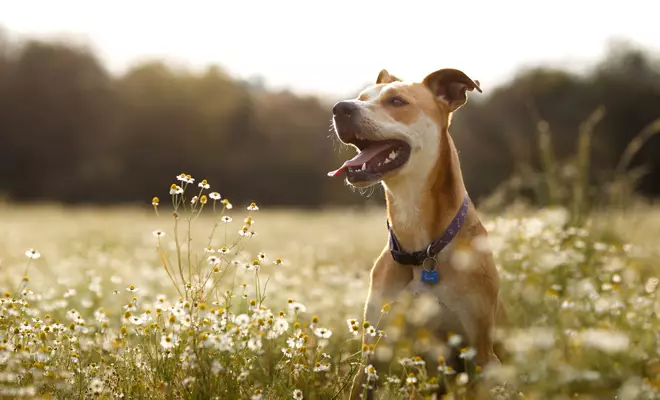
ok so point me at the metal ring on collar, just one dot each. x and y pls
(433, 267)
(430, 252)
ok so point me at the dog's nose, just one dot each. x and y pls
(344, 109)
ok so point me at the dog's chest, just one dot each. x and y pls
(439, 289)
(419, 285)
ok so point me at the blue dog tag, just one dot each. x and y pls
(430, 276)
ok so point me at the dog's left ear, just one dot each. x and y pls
(386, 77)
(450, 86)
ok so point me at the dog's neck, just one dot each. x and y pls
(419, 210)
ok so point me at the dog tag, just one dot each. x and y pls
(429, 271)
(430, 276)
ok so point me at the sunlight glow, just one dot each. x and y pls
(336, 47)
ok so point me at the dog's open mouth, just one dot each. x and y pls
(375, 159)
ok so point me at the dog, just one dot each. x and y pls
(401, 132)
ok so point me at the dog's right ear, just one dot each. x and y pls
(385, 77)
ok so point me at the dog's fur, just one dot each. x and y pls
(422, 197)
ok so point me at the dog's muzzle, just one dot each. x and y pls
(345, 115)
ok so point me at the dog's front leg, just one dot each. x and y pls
(479, 321)
(387, 282)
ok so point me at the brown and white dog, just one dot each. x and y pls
(400, 130)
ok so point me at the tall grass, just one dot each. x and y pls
(568, 182)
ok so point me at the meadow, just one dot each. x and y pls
(166, 301)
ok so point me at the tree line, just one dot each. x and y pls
(72, 132)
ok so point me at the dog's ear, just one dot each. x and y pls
(450, 86)
(385, 77)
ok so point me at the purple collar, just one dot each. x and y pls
(417, 258)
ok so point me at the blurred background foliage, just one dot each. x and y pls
(71, 132)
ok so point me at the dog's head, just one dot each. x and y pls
(396, 126)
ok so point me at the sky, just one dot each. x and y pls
(334, 48)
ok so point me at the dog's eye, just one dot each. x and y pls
(397, 101)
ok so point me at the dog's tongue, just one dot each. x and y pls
(362, 157)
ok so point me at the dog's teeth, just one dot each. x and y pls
(364, 166)
(386, 161)
(392, 156)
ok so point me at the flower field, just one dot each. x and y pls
(193, 297)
